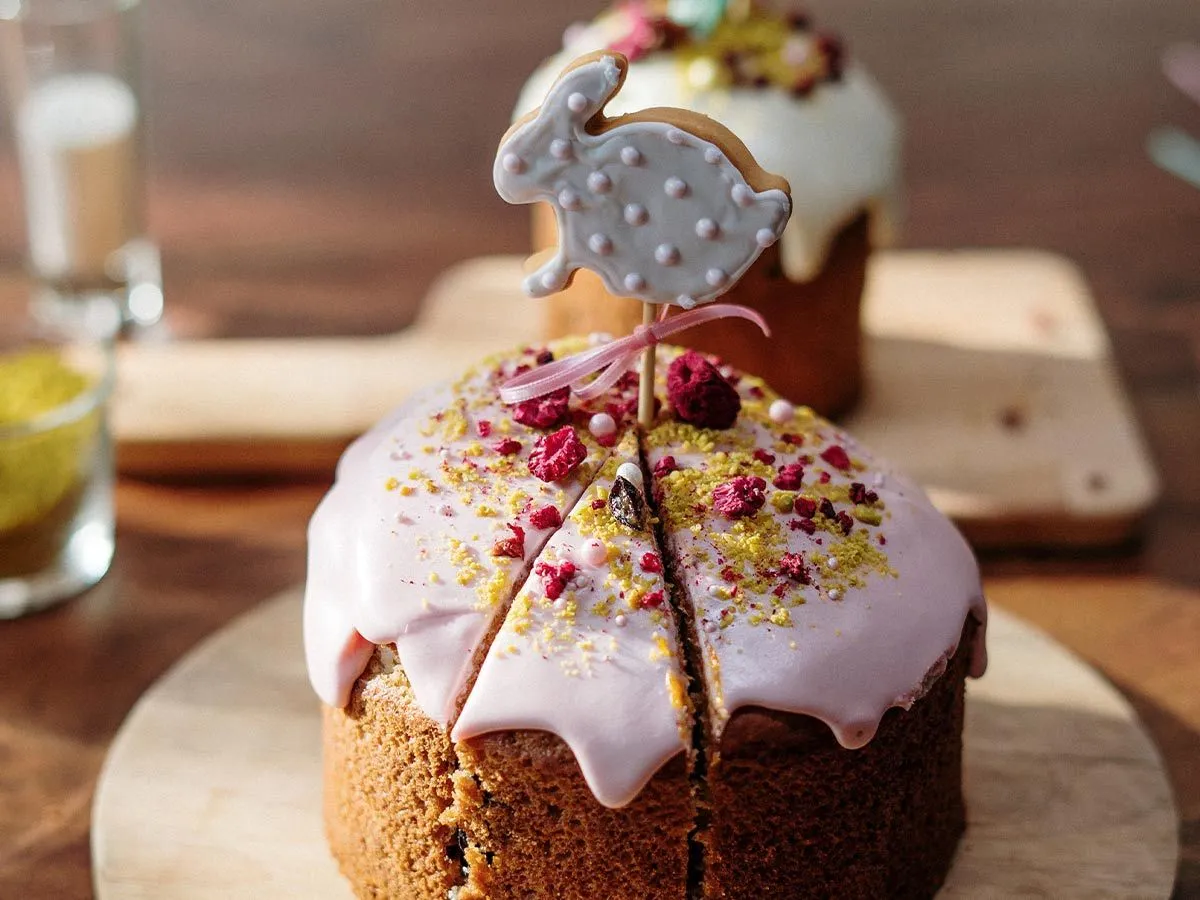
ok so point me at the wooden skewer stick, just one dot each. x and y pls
(646, 385)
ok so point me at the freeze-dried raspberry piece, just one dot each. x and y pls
(845, 522)
(545, 356)
(793, 566)
(764, 456)
(806, 507)
(699, 394)
(789, 477)
(827, 509)
(808, 526)
(512, 547)
(554, 456)
(544, 412)
(651, 600)
(555, 578)
(507, 446)
(484, 427)
(652, 562)
(837, 457)
(546, 517)
(665, 467)
(740, 496)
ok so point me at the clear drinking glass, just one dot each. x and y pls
(56, 464)
(71, 71)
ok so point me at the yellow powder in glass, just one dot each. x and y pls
(39, 469)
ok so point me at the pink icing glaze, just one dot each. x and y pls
(619, 707)
(400, 551)
(614, 691)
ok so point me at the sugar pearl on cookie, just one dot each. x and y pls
(676, 137)
(561, 149)
(631, 156)
(781, 412)
(634, 282)
(713, 156)
(620, 620)
(593, 553)
(667, 254)
(560, 603)
(602, 425)
(716, 277)
(765, 237)
(577, 102)
(569, 200)
(833, 563)
(675, 187)
(513, 163)
(835, 594)
(707, 229)
(635, 214)
(741, 194)
(600, 244)
(599, 183)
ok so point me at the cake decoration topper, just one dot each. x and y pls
(667, 206)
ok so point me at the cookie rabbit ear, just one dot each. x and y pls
(583, 88)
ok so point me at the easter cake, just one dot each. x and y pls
(809, 111)
(610, 618)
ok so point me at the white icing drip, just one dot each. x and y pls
(839, 148)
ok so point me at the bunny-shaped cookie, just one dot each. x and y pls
(666, 205)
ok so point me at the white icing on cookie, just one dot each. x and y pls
(646, 185)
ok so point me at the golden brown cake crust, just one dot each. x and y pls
(815, 353)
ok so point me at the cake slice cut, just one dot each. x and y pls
(430, 529)
(582, 698)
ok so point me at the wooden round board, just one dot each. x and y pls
(212, 787)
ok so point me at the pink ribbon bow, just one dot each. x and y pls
(612, 360)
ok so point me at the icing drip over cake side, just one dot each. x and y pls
(428, 531)
(589, 651)
(820, 581)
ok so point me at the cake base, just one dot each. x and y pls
(212, 789)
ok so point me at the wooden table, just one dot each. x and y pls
(316, 165)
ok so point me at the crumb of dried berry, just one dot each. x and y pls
(665, 467)
(507, 446)
(556, 455)
(789, 477)
(764, 456)
(544, 412)
(546, 517)
(837, 457)
(651, 562)
(740, 496)
(806, 507)
(699, 394)
(793, 566)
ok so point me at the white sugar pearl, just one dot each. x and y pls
(599, 183)
(741, 194)
(620, 620)
(551, 280)
(631, 473)
(602, 425)
(561, 149)
(634, 282)
(707, 229)
(667, 254)
(765, 237)
(833, 563)
(570, 200)
(635, 214)
(716, 277)
(513, 164)
(676, 137)
(687, 301)
(675, 187)
(835, 594)
(577, 102)
(781, 412)
(631, 156)
(713, 156)
(560, 603)
(593, 553)
(715, 590)
(600, 244)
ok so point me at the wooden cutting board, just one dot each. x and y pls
(211, 790)
(990, 379)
